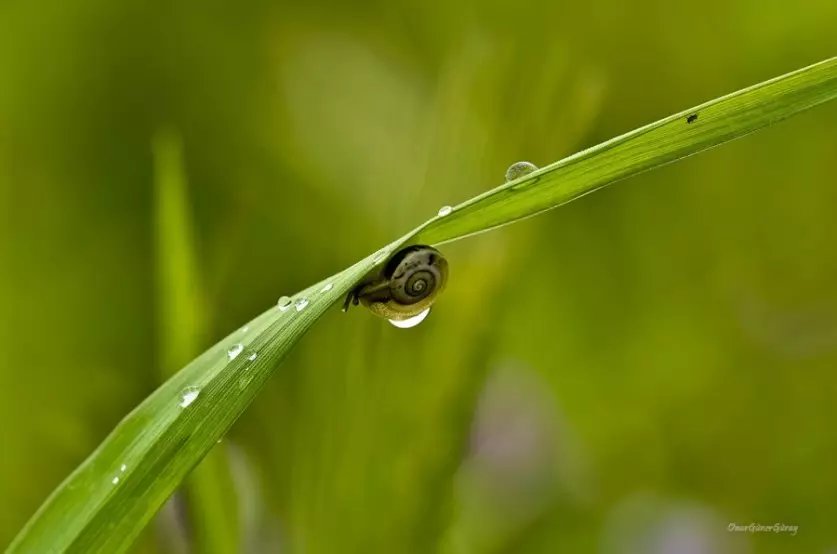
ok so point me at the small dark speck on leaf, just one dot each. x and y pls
(692, 118)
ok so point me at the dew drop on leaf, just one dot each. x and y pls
(445, 210)
(115, 480)
(519, 169)
(189, 396)
(327, 287)
(233, 352)
(411, 322)
(252, 356)
(301, 303)
(284, 303)
(123, 467)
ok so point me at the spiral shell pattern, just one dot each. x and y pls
(408, 284)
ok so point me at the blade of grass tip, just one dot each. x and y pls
(101, 508)
(654, 145)
(211, 501)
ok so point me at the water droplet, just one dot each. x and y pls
(189, 396)
(445, 210)
(252, 356)
(233, 352)
(115, 480)
(284, 303)
(328, 287)
(411, 322)
(519, 169)
(123, 467)
(245, 329)
(301, 303)
(243, 382)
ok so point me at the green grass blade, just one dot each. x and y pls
(659, 143)
(102, 507)
(211, 500)
(181, 310)
(161, 441)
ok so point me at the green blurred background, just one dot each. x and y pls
(627, 374)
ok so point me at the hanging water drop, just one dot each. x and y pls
(411, 322)
(285, 303)
(301, 303)
(519, 169)
(189, 396)
(445, 210)
(233, 352)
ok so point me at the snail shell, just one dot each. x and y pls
(408, 284)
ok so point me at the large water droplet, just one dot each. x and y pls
(445, 210)
(233, 352)
(252, 356)
(285, 303)
(327, 287)
(189, 396)
(301, 303)
(411, 322)
(519, 169)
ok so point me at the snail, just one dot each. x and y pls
(407, 285)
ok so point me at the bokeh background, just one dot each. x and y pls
(627, 374)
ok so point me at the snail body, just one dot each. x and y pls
(407, 285)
